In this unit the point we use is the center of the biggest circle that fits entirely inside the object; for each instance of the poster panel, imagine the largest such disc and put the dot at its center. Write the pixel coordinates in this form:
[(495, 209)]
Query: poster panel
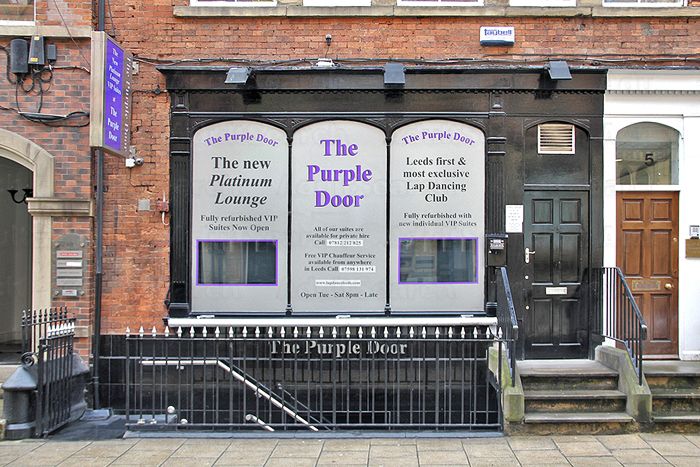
[(338, 258), (436, 225), (239, 217)]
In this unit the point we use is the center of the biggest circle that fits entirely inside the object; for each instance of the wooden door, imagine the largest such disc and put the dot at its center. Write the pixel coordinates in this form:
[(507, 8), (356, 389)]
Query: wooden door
[(647, 254), (557, 230)]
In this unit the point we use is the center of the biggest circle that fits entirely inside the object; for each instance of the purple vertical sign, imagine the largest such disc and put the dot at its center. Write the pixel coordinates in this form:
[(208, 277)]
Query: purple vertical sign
[(114, 89)]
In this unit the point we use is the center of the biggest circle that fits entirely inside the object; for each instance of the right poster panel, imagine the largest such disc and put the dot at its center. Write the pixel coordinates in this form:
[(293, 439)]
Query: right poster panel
[(436, 222)]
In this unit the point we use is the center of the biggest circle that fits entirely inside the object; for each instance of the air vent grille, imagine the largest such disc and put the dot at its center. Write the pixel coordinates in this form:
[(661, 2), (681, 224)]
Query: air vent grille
[(556, 138)]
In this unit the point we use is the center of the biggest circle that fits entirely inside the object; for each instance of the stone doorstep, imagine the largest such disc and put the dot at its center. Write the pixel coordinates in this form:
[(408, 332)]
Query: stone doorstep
[(578, 417)]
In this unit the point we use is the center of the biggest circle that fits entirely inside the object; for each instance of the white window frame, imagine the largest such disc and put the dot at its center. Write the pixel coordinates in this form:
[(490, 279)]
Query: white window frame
[(418, 3), (332, 3), (639, 4), (233, 3), (544, 3), (13, 22)]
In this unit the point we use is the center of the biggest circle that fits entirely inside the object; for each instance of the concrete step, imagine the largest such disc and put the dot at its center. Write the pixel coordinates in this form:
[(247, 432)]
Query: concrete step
[(570, 401), (675, 400), (672, 374), (671, 417), (566, 375), (577, 423), (578, 417)]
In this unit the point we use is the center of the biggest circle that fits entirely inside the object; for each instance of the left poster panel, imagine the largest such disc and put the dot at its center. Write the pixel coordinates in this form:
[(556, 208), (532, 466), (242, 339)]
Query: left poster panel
[(239, 218)]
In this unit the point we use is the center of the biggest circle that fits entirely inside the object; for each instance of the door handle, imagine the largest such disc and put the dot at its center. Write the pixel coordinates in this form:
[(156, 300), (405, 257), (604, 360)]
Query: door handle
[(527, 254), (668, 286)]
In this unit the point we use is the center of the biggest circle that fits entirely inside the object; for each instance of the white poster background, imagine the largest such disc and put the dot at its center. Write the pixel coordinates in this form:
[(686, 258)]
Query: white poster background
[(431, 163), (338, 256), (226, 157)]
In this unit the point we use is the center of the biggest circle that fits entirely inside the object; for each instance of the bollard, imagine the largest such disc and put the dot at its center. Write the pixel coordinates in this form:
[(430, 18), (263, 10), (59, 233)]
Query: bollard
[(20, 403)]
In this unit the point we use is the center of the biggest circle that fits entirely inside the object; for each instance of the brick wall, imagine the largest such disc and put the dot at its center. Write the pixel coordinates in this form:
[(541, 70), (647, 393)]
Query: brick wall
[(68, 90), (136, 263)]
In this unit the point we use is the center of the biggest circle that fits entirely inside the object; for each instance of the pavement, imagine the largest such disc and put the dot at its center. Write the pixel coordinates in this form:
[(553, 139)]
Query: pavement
[(609, 450)]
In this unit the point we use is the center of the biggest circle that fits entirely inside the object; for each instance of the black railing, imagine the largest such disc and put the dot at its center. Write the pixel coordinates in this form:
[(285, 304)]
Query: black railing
[(507, 320), (617, 315), (36, 324), (47, 341), (312, 378)]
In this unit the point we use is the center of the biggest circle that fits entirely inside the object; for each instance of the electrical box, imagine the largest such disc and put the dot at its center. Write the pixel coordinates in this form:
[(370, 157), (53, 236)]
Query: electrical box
[(37, 54), (497, 246), (19, 53)]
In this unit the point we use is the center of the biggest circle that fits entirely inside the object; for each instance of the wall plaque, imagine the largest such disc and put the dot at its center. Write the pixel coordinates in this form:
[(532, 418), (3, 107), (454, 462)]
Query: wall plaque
[(692, 248)]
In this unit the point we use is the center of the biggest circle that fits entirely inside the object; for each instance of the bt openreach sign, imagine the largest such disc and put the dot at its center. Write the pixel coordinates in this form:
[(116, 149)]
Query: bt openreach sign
[(497, 35)]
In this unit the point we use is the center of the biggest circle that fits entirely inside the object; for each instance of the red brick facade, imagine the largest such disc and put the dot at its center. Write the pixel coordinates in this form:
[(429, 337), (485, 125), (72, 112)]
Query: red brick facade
[(136, 243)]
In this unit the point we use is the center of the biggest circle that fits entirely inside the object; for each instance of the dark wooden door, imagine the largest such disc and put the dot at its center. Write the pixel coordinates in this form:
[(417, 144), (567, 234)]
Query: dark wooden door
[(557, 230), (647, 254)]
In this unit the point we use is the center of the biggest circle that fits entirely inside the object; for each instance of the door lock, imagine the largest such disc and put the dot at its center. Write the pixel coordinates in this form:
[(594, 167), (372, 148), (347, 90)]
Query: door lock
[(527, 254), (668, 286)]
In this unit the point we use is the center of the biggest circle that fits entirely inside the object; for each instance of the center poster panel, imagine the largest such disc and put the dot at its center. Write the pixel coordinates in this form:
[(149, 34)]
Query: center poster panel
[(338, 254)]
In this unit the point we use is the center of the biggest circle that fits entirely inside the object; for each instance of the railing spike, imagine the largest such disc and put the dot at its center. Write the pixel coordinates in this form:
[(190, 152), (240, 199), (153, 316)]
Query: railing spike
[(360, 333), (398, 331), (410, 332), (179, 331), (270, 332), (463, 333), (347, 332), (320, 331), (245, 332), (128, 331), (141, 331), (204, 331), (282, 332), (500, 333), (424, 333), (296, 331), (373, 332), (230, 332), (488, 333), (334, 333), (154, 332), (308, 332), (475, 333), (449, 332), (437, 332), (257, 331), (166, 331), (191, 331), (216, 332), (386, 332)]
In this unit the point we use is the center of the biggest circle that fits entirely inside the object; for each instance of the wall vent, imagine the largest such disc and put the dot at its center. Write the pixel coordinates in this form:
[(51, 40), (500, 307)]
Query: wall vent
[(556, 138)]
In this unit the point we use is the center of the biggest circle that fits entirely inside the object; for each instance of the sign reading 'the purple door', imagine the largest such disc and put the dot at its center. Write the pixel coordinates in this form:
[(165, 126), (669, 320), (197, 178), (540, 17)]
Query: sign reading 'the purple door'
[(110, 106), (114, 90)]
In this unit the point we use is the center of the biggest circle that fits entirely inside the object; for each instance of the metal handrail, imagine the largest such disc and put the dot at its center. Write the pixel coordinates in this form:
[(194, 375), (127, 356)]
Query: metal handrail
[(507, 319), (620, 317)]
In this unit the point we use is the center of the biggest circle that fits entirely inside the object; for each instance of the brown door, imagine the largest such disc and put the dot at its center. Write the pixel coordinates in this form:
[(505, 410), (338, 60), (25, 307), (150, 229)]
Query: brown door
[(647, 253)]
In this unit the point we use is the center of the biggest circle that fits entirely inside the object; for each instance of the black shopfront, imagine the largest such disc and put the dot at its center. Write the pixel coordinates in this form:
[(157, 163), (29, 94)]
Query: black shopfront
[(317, 195)]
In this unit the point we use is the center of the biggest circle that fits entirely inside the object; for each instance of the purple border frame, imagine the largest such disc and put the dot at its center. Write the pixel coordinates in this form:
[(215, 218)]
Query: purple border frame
[(213, 240), (398, 257)]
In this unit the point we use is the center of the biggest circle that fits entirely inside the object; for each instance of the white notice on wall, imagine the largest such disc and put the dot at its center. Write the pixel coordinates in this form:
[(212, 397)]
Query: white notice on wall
[(514, 218)]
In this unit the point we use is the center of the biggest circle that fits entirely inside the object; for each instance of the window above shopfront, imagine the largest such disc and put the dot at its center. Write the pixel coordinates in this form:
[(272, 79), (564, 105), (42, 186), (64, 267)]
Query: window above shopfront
[(647, 154), (16, 11)]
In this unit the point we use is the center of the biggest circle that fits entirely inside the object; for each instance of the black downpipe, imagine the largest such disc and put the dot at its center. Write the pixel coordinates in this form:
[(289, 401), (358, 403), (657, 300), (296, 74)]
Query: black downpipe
[(99, 211)]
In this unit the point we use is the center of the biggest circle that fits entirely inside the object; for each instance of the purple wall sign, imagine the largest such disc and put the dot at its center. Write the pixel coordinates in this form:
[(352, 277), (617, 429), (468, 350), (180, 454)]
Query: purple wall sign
[(114, 91)]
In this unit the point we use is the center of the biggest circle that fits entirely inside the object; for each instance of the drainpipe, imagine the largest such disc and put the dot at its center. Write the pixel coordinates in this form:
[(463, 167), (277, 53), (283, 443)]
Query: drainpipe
[(99, 211)]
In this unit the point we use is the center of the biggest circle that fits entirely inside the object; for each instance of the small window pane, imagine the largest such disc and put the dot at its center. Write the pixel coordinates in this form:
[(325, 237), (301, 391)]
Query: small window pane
[(437, 260), (16, 10), (237, 263), (647, 154)]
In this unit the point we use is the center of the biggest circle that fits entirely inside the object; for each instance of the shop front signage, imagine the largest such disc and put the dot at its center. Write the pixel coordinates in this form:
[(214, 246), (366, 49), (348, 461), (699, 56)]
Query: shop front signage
[(110, 105), (239, 217), (338, 217), (363, 238)]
